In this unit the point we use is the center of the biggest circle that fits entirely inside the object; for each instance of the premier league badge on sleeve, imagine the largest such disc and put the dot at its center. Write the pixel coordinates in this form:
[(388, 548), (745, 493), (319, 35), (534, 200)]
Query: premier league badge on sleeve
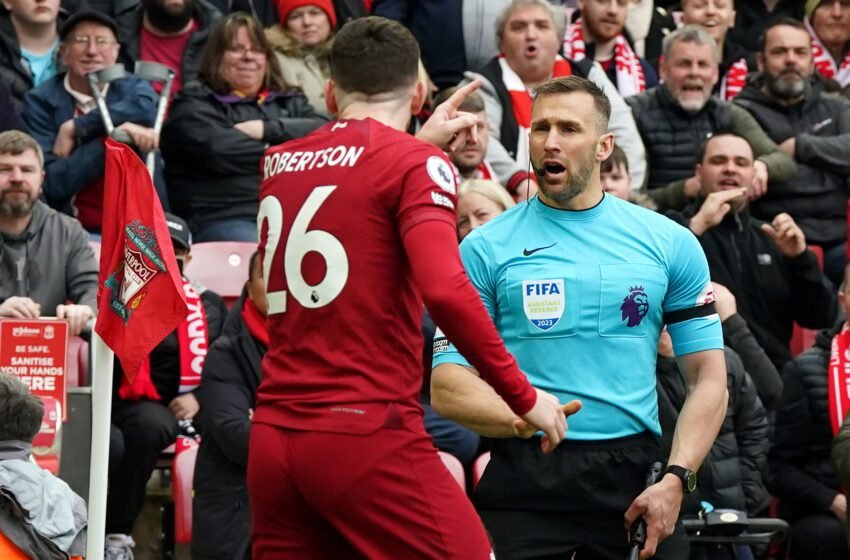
[(543, 302)]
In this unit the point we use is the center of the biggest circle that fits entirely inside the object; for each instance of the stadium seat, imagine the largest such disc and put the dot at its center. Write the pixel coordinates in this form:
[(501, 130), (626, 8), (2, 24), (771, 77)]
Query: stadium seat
[(183, 476), (455, 468), (478, 468), (221, 266), (77, 368)]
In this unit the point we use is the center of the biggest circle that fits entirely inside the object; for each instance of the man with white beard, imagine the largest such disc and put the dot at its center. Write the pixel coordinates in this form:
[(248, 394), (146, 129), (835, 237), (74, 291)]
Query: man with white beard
[(675, 119)]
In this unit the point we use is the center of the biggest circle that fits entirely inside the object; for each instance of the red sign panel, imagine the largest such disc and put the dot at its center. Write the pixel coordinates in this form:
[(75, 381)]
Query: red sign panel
[(36, 350)]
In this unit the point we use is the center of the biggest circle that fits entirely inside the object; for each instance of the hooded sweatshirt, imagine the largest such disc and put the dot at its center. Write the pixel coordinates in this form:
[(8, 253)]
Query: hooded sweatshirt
[(50, 262)]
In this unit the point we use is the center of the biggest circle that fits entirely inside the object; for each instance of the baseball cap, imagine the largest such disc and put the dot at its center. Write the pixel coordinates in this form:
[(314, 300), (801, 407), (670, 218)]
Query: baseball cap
[(179, 230), (87, 15)]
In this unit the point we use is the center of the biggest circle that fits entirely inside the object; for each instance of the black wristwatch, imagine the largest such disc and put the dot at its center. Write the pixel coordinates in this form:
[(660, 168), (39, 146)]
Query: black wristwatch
[(689, 478)]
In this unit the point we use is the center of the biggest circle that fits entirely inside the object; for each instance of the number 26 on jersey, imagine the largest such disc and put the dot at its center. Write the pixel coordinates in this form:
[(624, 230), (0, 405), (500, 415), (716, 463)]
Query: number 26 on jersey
[(299, 242)]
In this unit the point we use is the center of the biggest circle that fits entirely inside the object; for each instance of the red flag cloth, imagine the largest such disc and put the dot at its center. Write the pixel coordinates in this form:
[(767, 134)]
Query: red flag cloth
[(140, 294)]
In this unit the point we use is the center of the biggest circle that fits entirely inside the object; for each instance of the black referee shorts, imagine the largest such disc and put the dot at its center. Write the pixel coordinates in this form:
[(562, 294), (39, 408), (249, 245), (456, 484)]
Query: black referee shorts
[(544, 507)]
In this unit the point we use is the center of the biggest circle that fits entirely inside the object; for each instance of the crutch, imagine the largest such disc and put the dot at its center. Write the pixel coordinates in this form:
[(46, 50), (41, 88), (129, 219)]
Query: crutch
[(156, 72), (97, 79)]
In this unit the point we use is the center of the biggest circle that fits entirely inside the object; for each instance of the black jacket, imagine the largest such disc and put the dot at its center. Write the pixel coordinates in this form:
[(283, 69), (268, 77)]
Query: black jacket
[(817, 197), (221, 518), (768, 383), (13, 68), (128, 16), (732, 475), (212, 169), (165, 358), (443, 53), (673, 136), (801, 471), (752, 18), (509, 132), (771, 291), (10, 113)]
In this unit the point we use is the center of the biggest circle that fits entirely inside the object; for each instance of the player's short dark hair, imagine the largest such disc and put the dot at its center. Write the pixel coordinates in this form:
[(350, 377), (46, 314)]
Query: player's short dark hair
[(373, 55), (253, 269), (221, 38), (20, 411), (777, 22), (726, 134), (15, 142), (473, 103), (575, 84), (616, 159)]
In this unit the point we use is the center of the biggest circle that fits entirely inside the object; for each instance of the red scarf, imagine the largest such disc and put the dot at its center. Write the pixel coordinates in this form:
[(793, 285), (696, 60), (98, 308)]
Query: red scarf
[(824, 62), (255, 322), (630, 78), (193, 342), (483, 171), (521, 100), (839, 378), (734, 80)]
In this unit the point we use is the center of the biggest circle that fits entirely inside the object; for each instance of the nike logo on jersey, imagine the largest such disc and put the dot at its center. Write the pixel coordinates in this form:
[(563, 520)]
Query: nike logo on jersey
[(529, 252)]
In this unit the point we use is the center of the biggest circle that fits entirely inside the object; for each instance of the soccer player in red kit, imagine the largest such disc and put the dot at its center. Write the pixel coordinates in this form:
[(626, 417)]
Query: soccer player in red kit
[(357, 226)]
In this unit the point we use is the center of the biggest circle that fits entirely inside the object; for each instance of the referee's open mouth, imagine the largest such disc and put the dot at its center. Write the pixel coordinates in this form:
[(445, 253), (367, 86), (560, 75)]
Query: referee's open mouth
[(553, 170)]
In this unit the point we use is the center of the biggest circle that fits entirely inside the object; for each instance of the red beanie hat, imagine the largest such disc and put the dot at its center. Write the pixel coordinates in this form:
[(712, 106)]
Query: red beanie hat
[(284, 7)]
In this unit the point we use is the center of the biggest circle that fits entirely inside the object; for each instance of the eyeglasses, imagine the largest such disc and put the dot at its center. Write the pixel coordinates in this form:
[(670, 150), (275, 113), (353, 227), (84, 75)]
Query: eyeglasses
[(240, 50), (100, 42)]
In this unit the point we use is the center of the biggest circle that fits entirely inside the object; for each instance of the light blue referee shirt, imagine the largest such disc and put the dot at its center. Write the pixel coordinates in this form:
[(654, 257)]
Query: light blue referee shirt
[(580, 298)]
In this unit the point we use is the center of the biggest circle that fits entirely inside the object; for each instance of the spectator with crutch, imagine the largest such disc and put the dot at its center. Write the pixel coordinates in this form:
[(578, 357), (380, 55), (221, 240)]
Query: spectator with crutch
[(63, 115)]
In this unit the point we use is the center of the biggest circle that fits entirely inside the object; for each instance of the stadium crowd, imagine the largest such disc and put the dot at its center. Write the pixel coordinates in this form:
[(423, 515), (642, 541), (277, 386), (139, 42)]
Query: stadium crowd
[(731, 119)]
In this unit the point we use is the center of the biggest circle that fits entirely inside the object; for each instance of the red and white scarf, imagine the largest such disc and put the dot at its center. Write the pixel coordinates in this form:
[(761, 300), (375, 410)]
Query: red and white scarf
[(824, 62), (734, 80), (483, 171), (193, 342), (630, 78), (839, 378), (521, 100)]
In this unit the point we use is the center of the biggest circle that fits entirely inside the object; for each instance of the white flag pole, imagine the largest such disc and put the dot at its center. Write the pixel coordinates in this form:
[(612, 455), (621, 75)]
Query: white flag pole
[(101, 414)]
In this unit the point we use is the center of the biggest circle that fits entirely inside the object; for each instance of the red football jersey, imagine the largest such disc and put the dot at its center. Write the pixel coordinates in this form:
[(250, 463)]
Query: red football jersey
[(344, 314)]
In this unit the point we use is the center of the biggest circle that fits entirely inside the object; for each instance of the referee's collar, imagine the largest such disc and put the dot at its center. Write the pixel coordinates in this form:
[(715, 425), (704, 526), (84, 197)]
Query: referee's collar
[(571, 215)]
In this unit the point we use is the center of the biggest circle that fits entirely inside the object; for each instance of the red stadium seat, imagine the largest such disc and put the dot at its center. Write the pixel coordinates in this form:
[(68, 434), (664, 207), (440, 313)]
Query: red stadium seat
[(478, 468), (77, 370), (455, 468), (221, 266), (183, 476)]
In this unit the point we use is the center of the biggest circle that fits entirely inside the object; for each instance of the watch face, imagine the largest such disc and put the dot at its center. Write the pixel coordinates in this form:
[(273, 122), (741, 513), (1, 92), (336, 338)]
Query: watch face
[(691, 481)]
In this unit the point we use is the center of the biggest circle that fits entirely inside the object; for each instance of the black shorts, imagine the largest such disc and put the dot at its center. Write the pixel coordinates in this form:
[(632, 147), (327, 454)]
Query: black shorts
[(549, 506)]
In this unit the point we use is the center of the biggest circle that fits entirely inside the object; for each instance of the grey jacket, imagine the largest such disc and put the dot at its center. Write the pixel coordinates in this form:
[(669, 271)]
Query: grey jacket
[(479, 30), (39, 512), (621, 124), (51, 262)]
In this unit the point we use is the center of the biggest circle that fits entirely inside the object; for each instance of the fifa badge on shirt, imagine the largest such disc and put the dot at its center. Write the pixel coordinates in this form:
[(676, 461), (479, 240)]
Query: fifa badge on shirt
[(543, 302)]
